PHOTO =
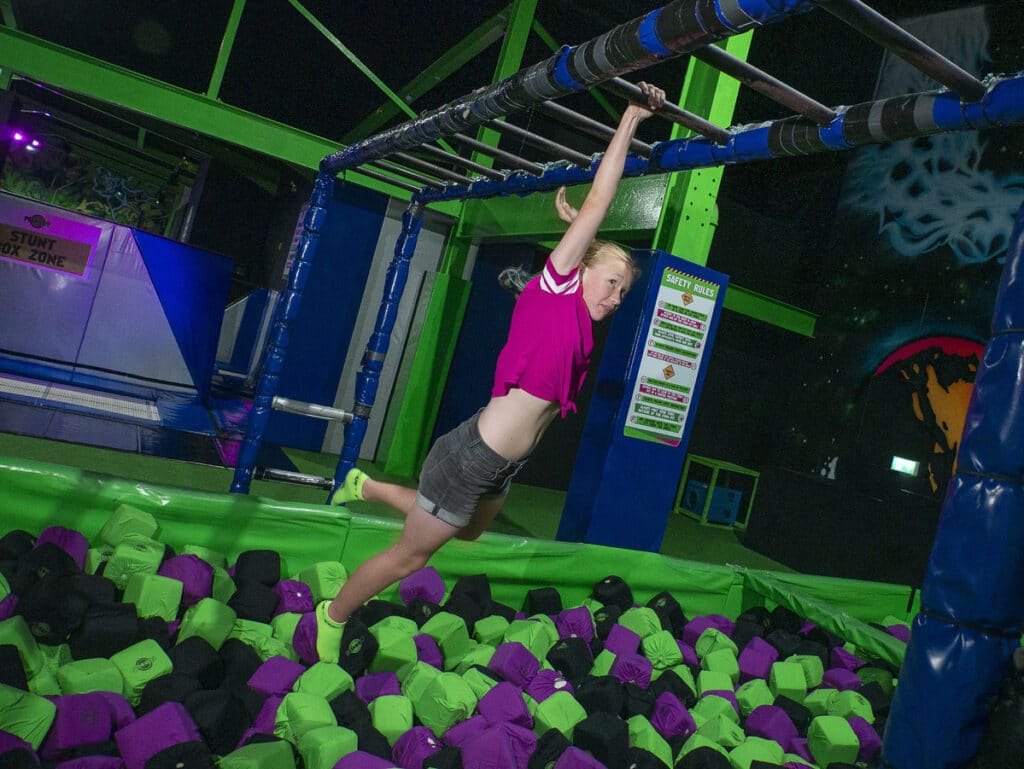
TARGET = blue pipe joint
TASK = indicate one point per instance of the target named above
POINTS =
(648, 35)
(941, 704)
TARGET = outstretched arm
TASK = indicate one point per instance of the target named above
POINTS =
(585, 224)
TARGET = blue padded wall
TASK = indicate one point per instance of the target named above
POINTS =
(321, 334)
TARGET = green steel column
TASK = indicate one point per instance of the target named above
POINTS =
(226, 44)
(428, 371)
(689, 212)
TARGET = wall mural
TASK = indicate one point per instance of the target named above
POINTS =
(61, 174)
(922, 229)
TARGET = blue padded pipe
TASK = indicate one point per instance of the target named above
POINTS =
(888, 120)
(677, 28)
(972, 601)
(277, 342)
(377, 347)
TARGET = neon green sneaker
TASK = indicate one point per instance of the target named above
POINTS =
(328, 634)
(352, 489)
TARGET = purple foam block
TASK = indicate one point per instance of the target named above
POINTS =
(693, 629)
(7, 606)
(504, 703)
(501, 746)
(464, 730)
(840, 658)
(194, 574)
(575, 758)
(546, 683)
(414, 747)
(92, 762)
(841, 679)
(304, 638)
(293, 596)
(266, 719)
(870, 742)
(428, 651)
(900, 632)
(373, 685)
(9, 742)
(771, 723)
(798, 746)
(166, 725)
(671, 718)
(276, 676)
(425, 584)
(575, 623)
(756, 659)
(690, 658)
(633, 668)
(362, 760)
(81, 719)
(70, 541)
(120, 709)
(513, 662)
(727, 695)
(622, 640)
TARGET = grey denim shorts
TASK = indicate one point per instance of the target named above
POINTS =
(461, 470)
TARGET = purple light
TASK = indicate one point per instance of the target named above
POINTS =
(19, 136)
(35, 142)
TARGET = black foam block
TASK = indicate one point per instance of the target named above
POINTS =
(197, 657)
(263, 566)
(604, 736)
(613, 591)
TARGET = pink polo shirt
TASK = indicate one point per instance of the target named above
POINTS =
(549, 341)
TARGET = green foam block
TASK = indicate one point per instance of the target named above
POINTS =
(25, 715)
(560, 711)
(139, 664)
(831, 739)
(322, 746)
(392, 715)
(154, 596)
(260, 755)
(127, 520)
(92, 675)
(209, 619)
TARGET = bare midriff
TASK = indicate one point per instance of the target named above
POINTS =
(513, 424)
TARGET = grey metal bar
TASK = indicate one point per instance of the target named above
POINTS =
(546, 145)
(367, 171)
(765, 84)
(316, 410)
(430, 168)
(513, 161)
(288, 476)
(394, 168)
(874, 25)
(626, 90)
(588, 125)
(458, 160)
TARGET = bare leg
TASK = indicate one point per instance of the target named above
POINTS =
(421, 537)
(401, 498)
(486, 510)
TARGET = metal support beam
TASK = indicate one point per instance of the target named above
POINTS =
(512, 161)
(765, 84)
(451, 61)
(369, 172)
(226, 44)
(430, 168)
(458, 160)
(588, 125)
(289, 476)
(394, 168)
(69, 70)
(626, 90)
(874, 25)
(316, 410)
(554, 149)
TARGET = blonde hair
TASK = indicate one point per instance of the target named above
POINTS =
(602, 250)
(515, 278)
